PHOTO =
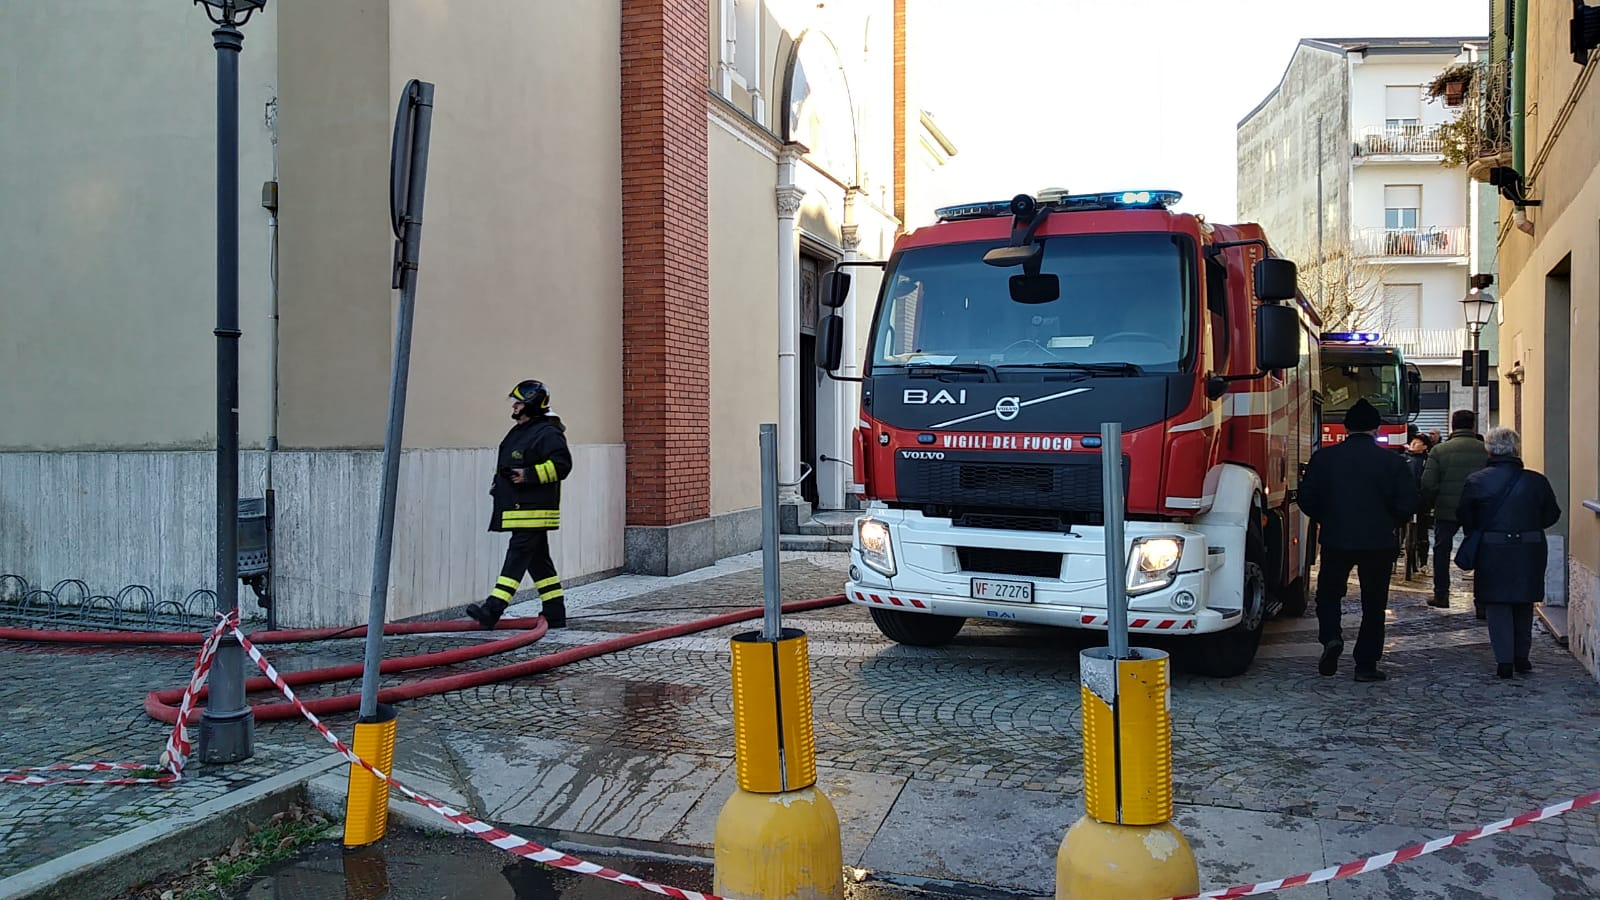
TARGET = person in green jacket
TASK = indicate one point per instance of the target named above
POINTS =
(1443, 479)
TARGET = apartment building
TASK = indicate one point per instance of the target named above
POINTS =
(1345, 164)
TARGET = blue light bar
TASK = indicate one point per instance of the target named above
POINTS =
(1351, 337)
(1065, 203)
(1122, 200)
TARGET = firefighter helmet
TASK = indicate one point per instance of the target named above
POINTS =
(533, 395)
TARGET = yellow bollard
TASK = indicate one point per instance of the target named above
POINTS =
(778, 835)
(366, 814)
(1125, 846)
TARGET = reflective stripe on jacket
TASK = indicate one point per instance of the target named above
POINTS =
(539, 448)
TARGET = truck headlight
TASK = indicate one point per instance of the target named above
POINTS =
(1153, 563)
(877, 551)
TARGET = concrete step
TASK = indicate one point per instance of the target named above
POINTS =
(833, 521)
(1555, 621)
(814, 543)
(816, 528)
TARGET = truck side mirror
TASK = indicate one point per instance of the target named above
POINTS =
(835, 289)
(830, 342)
(1276, 280)
(1277, 337)
(1413, 392)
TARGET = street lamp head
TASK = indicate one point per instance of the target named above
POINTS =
(1478, 307)
(230, 12)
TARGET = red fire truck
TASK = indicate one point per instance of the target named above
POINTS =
(1003, 336)
(1356, 365)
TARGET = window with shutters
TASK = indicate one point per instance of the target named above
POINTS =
(1402, 305)
(1401, 205)
(1402, 108)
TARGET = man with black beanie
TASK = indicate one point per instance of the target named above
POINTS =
(1358, 493)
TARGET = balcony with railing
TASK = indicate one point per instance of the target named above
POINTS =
(1430, 242)
(1479, 134)
(1421, 344)
(1399, 143)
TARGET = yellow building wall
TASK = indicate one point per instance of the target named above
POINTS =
(744, 316)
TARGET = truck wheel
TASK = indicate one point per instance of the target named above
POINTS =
(1227, 654)
(916, 629)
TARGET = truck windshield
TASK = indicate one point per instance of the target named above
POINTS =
(1125, 299)
(1347, 378)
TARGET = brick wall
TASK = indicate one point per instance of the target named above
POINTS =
(665, 261)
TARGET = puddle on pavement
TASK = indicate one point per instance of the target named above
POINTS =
(409, 865)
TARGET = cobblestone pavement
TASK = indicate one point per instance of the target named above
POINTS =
(69, 704)
(1442, 745)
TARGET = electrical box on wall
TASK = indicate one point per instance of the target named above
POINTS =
(269, 195)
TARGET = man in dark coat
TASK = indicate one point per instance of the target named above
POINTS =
(1511, 506)
(1358, 493)
(533, 462)
(1443, 477)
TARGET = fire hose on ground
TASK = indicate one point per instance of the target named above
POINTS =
(160, 706)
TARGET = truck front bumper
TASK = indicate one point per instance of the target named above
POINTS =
(938, 569)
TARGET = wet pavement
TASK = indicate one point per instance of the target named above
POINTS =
(409, 865)
(957, 766)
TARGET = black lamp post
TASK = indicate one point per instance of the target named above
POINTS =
(227, 727)
(1477, 307)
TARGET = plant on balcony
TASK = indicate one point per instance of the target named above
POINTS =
(1461, 138)
(1452, 84)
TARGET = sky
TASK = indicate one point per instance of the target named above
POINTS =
(1095, 95)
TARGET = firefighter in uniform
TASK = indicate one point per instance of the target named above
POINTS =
(527, 502)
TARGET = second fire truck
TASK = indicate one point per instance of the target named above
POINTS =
(1356, 365)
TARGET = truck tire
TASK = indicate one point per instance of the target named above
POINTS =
(916, 629)
(1228, 654)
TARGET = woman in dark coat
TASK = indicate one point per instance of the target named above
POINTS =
(1512, 506)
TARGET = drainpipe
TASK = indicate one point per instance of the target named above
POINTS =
(1519, 83)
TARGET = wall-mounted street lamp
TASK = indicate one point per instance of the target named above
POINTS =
(227, 727)
(1477, 307)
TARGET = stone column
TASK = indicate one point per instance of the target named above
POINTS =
(789, 198)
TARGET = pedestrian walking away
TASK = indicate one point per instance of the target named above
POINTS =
(1505, 508)
(1359, 494)
(533, 462)
(1444, 476)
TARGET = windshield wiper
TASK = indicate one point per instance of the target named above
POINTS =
(936, 368)
(1117, 368)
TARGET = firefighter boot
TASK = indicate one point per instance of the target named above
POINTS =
(487, 613)
(554, 612)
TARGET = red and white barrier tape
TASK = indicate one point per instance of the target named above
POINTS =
(179, 745)
(505, 840)
(1373, 863)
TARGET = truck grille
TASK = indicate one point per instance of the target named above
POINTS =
(1030, 563)
(1012, 522)
(1063, 487)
